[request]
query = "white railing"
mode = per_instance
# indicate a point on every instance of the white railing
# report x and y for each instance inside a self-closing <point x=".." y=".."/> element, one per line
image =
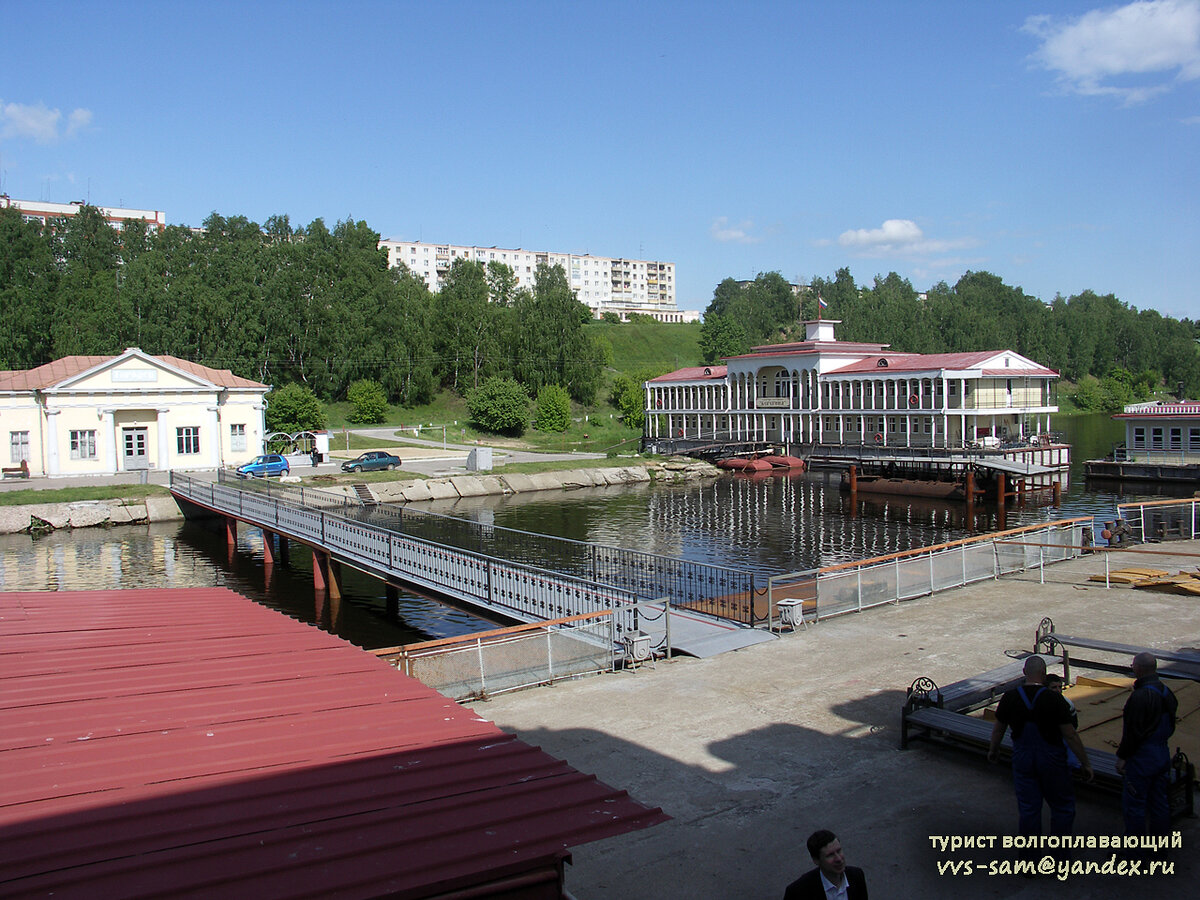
<point x="801" y="597"/>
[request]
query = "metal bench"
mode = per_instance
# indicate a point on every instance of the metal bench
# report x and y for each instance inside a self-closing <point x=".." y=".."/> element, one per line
<point x="21" y="471"/>
<point x="1046" y="640"/>
<point x="943" y="715"/>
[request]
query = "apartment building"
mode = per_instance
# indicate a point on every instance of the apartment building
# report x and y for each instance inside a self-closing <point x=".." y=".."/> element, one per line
<point x="38" y="211"/>
<point x="604" y="284"/>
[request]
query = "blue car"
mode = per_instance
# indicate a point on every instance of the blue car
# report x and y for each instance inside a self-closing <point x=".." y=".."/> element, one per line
<point x="262" y="466"/>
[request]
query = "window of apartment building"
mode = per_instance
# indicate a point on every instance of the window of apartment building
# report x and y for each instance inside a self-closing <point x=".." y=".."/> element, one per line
<point x="83" y="445"/>
<point x="237" y="438"/>
<point x="18" y="443"/>
<point x="187" y="440"/>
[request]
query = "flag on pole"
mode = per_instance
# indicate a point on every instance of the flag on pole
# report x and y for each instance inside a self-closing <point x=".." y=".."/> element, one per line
<point x="821" y="304"/>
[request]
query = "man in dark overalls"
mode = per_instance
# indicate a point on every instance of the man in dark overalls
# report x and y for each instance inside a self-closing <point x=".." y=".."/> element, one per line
<point x="1143" y="758"/>
<point x="1041" y="725"/>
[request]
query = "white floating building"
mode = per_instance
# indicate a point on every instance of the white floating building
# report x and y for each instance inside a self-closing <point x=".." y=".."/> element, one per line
<point x="822" y="392"/>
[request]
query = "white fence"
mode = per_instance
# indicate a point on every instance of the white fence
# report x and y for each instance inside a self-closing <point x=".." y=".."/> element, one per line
<point x="853" y="587"/>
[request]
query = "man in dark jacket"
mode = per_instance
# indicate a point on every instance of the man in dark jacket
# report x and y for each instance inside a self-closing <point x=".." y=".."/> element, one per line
<point x="1041" y="725"/>
<point x="832" y="878"/>
<point x="1143" y="758"/>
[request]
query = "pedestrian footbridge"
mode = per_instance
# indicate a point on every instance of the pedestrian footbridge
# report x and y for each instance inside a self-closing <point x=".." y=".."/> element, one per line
<point x="694" y="608"/>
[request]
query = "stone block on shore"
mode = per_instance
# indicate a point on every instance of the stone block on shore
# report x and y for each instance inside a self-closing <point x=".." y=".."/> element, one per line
<point x="441" y="490"/>
<point x="121" y="514"/>
<point x="518" y="482"/>
<point x="468" y="485"/>
<point x="89" y="513"/>
<point x="415" y="492"/>
<point x="14" y="519"/>
<point x="494" y="484"/>
<point x="546" y="481"/>
<point x="163" y="509"/>
<point x="578" y="478"/>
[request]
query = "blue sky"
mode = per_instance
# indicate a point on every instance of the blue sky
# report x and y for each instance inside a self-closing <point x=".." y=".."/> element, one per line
<point x="1052" y="143"/>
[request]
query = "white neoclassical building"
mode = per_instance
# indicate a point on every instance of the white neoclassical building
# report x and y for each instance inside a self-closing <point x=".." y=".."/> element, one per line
<point x="826" y="392"/>
<point x="99" y="415"/>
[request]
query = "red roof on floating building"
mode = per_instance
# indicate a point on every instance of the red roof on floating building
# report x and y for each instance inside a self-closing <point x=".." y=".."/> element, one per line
<point x="190" y="743"/>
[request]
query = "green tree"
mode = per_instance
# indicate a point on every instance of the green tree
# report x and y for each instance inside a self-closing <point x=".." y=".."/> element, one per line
<point x="721" y="336"/>
<point x="629" y="395"/>
<point x="466" y="326"/>
<point x="293" y="408"/>
<point x="499" y="405"/>
<point x="553" y="412"/>
<point x="28" y="286"/>
<point x="369" y="402"/>
<point x="548" y="342"/>
<point x="502" y="283"/>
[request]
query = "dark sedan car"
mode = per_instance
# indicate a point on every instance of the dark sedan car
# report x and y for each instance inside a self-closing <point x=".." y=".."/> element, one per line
<point x="372" y="461"/>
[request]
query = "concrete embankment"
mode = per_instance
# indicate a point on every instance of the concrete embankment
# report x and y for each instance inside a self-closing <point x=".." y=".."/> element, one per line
<point x="40" y="517"/>
<point x="37" y="517"/>
<point x="456" y="486"/>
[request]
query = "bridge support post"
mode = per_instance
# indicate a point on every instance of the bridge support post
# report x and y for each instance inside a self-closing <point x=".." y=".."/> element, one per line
<point x="268" y="548"/>
<point x="327" y="575"/>
<point x="282" y="555"/>
<point x="393" y="601"/>
<point x="230" y="532"/>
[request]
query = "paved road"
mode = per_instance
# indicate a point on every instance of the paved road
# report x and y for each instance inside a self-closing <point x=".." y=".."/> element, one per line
<point x="439" y="460"/>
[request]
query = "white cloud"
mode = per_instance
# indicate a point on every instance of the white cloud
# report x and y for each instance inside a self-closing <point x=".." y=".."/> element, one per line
<point x="1131" y="53"/>
<point x="898" y="237"/>
<point x="722" y="231"/>
<point x="39" y="123"/>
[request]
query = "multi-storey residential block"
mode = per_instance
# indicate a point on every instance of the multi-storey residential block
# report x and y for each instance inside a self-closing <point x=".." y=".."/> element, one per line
<point x="621" y="286"/>
<point x="37" y="211"/>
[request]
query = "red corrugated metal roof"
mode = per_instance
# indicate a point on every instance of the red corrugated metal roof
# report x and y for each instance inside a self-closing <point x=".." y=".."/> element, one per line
<point x="692" y="373"/>
<point x="192" y="743"/>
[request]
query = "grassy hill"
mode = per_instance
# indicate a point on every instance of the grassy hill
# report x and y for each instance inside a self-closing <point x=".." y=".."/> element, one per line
<point x="650" y="345"/>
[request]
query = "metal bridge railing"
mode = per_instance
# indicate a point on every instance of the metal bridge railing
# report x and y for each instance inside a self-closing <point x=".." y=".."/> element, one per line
<point x="516" y="590"/>
<point x="716" y="590"/>
<point x="1159" y="520"/>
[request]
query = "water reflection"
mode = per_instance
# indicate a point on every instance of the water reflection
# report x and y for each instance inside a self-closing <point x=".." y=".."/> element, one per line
<point x="180" y="555"/>
<point x="766" y="525"/>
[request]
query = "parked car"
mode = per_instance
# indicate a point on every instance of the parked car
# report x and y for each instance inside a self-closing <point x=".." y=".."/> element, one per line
<point x="262" y="466"/>
<point x="371" y="461"/>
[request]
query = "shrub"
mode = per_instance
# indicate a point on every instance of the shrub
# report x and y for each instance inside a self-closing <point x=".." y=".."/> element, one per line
<point x="553" y="409"/>
<point x="369" y="402"/>
<point x="294" y="408"/>
<point x="500" y="406"/>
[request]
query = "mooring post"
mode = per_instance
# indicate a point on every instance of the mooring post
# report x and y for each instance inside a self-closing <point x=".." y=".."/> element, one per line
<point x="1057" y="486"/>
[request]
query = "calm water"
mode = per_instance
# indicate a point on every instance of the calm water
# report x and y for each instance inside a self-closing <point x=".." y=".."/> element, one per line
<point x="770" y="525"/>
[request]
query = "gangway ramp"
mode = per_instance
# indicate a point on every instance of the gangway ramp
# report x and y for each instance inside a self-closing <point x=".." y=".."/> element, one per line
<point x="697" y="634"/>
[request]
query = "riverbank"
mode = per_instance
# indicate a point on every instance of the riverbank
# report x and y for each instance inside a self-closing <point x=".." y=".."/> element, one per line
<point x="105" y="513"/>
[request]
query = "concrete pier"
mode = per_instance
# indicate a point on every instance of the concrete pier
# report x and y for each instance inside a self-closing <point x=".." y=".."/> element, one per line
<point x="751" y="751"/>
